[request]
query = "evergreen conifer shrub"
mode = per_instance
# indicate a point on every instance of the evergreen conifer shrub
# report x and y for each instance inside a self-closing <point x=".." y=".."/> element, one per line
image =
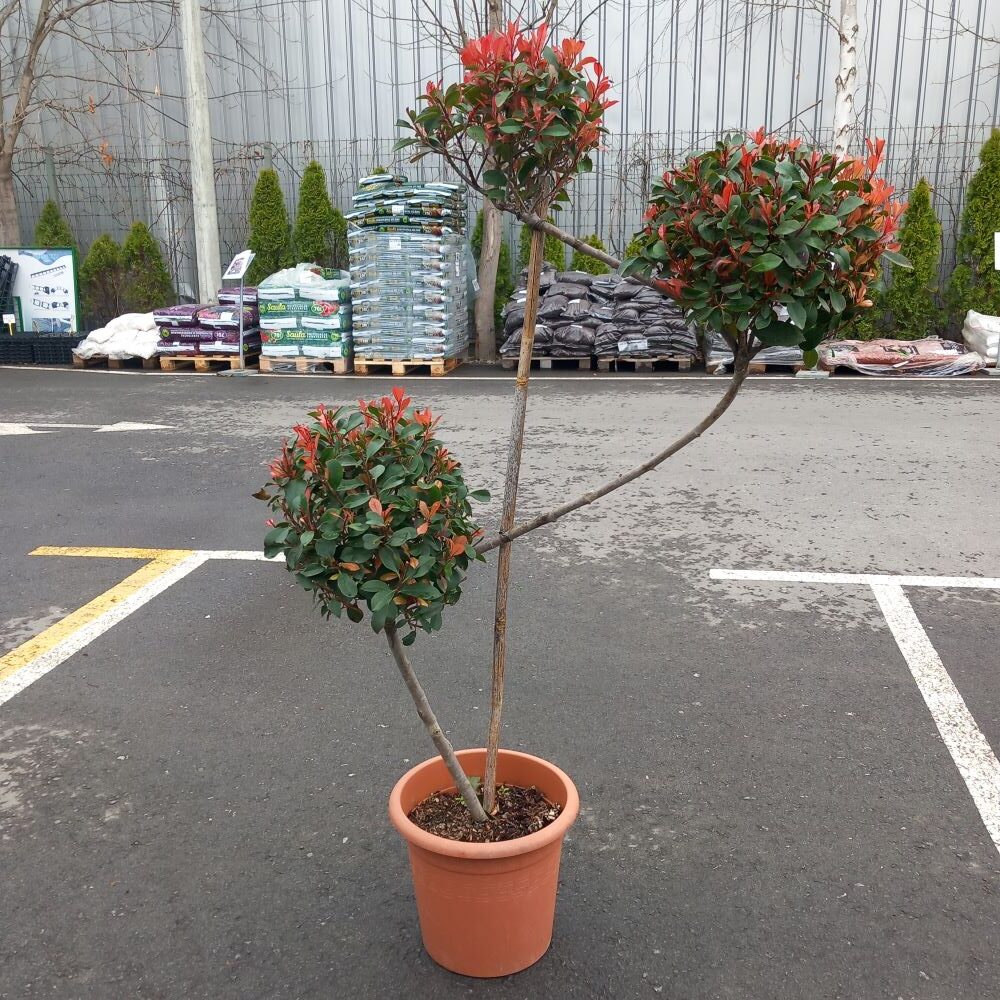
<point x="910" y="299"/>
<point x="974" y="282"/>
<point x="52" y="229"/>
<point x="101" y="282"/>
<point x="147" y="284"/>
<point x="314" y="219"/>
<point x="270" y="236"/>
<point x="584" y="262"/>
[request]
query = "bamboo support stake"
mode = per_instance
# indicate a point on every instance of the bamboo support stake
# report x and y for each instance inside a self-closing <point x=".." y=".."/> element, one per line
<point x="507" y="514"/>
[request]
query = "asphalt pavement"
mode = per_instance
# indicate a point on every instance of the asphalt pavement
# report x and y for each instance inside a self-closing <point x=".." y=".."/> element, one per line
<point x="193" y="804"/>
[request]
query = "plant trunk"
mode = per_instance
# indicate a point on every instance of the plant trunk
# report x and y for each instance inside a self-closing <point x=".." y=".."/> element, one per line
<point x="426" y="713"/>
<point x="10" y="227"/>
<point x="847" y="76"/>
<point x="489" y="260"/>
<point x="507" y="515"/>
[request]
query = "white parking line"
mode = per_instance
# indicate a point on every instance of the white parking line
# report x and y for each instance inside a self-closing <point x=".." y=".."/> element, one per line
<point x="969" y="748"/>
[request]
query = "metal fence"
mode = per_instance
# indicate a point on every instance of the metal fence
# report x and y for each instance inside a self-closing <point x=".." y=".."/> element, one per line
<point x="101" y="194"/>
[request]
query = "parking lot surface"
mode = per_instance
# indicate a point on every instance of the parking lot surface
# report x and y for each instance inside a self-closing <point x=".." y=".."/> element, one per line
<point x="193" y="802"/>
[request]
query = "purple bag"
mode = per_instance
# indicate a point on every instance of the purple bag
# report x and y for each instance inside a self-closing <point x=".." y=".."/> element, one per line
<point x="177" y="316"/>
<point x="227" y="317"/>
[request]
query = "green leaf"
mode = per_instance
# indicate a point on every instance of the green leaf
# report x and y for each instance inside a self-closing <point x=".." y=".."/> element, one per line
<point x="277" y="535"/>
<point x="495" y="178"/>
<point x="355" y="614"/>
<point x="557" y="131"/>
<point x="477" y="134"/>
<point x="409" y="638"/>
<point x="381" y="599"/>
<point x="346" y="585"/>
<point x="796" y="313"/>
<point x="810" y="358"/>
<point x="897" y="259"/>
<point x="503" y="96"/>
<point x="766" y="262"/>
<point x="373" y="447"/>
<point x="480" y="496"/>
<point x="306" y="537"/>
<point x="336" y="472"/>
<point x="837" y="301"/>
<point x="376" y="470"/>
<point x="511" y="126"/>
<point x="823" y="223"/>
<point x="295" y="491"/>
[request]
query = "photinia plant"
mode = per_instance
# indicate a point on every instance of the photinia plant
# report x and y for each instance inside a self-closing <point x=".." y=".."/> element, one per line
<point x="765" y="238"/>
<point x="374" y="515"/>
<point x="522" y="122"/>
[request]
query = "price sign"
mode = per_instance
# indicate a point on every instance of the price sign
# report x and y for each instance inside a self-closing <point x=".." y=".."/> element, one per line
<point x="9" y="319"/>
<point x="239" y="265"/>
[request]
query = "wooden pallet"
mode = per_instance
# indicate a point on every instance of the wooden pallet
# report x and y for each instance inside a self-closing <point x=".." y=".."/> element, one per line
<point x="763" y="367"/>
<point x="537" y="361"/>
<point x="276" y="366"/>
<point x="116" y="364"/>
<point x="205" y="362"/>
<point x="666" y="362"/>
<point x="404" y="366"/>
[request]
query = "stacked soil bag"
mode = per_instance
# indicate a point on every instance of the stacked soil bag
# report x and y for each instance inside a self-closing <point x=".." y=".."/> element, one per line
<point x="409" y="269"/>
<point x="719" y="357"/>
<point x="580" y="315"/>
<point x="195" y="329"/>
<point x="305" y="312"/>
<point x="900" y="357"/>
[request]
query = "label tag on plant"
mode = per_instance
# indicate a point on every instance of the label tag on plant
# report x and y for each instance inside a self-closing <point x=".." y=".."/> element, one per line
<point x="9" y="319"/>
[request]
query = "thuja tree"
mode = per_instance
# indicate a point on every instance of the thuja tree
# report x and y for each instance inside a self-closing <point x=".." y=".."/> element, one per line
<point x="910" y="299"/>
<point x="52" y="229"/>
<point x="270" y="237"/>
<point x="974" y="282"/>
<point x="102" y="281"/>
<point x="553" y="251"/>
<point x="316" y="234"/>
<point x="146" y="281"/>
<point x="585" y="262"/>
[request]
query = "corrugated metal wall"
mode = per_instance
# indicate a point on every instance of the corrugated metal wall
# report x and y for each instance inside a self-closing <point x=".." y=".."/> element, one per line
<point x="294" y="79"/>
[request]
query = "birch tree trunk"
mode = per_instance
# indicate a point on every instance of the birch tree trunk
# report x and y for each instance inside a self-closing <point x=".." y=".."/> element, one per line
<point x="847" y="76"/>
<point x="10" y="227"/>
<point x="489" y="261"/>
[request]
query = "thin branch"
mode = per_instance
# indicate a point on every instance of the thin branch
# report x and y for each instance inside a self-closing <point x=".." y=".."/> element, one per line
<point x="740" y="368"/>
<point x="426" y="713"/>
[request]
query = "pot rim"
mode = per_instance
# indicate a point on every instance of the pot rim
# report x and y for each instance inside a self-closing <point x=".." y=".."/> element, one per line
<point x="418" y="837"/>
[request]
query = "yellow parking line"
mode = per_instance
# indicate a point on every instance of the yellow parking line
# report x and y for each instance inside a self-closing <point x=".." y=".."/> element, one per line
<point x="161" y="561"/>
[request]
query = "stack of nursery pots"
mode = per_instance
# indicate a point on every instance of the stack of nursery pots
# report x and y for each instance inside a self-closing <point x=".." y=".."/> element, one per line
<point x="374" y="518"/>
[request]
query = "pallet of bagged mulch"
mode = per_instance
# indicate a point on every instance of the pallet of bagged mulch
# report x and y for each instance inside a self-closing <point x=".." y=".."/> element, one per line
<point x="116" y="364"/>
<point x="206" y="363"/>
<point x="546" y="362"/>
<point x="305" y="366"/>
<point x="660" y="362"/>
<point x="404" y="366"/>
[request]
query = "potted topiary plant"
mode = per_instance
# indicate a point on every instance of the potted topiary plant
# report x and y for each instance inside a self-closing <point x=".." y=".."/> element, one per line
<point x="374" y="515"/>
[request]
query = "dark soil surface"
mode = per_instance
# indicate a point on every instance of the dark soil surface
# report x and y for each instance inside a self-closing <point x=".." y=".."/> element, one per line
<point x="520" y="811"/>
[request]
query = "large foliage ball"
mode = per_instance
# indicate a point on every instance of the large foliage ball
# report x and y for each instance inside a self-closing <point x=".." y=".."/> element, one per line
<point x="763" y="237"/>
<point x="374" y="514"/>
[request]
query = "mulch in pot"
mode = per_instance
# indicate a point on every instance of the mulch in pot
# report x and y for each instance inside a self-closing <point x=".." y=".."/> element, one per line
<point x="520" y="811"/>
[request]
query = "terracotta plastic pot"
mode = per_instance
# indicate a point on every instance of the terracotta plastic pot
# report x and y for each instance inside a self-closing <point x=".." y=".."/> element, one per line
<point x="485" y="909"/>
